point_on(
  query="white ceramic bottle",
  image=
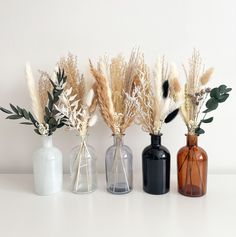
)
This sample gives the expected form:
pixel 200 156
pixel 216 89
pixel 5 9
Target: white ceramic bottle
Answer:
pixel 47 166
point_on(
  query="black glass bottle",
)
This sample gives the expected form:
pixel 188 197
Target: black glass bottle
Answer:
pixel 156 167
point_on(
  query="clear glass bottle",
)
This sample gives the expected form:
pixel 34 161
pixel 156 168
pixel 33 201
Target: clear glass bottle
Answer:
pixel 119 167
pixel 83 168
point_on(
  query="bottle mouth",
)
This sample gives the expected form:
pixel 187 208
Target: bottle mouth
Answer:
pixel 156 135
pixel 118 134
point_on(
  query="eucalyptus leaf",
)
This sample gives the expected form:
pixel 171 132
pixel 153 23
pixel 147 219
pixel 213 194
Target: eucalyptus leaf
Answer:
pixel 14 109
pixel 25 114
pixel 215 93
pixel 5 110
pixel 20 111
pixel 212 104
pixel 26 123
pixel 222 88
pixel 206 111
pixel 223 98
pixel 199 131
pixel 34 121
pixel 228 90
pixel 14 116
pixel 37 131
pixel 208 120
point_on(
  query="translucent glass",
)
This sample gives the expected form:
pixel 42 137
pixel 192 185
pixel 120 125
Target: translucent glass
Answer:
pixel 83 168
pixel 119 170
pixel 192 169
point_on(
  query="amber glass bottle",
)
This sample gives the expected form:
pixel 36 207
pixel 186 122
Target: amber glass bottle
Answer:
pixel 192 168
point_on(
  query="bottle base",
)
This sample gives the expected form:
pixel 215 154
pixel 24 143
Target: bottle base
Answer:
pixel 83 189
pixel 83 192
pixel 47 193
pixel 156 193
pixel 191 191
pixel 119 189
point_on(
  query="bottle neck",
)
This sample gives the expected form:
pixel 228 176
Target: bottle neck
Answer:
pixel 47 141
pixel 192 139
pixel 83 138
pixel 118 139
pixel 155 139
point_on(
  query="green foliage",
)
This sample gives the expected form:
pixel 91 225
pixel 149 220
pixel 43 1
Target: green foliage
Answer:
pixel 217 95
pixel 17 112
pixel 53 98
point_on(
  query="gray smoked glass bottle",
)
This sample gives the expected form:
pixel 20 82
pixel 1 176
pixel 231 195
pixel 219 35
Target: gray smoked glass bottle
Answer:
pixel 119 170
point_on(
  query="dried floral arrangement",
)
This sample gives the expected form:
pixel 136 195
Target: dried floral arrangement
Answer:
pixel 44 97
pixel 76 109
pixel 116 80
pixel 157 96
pixel 196 94
pixel 77 104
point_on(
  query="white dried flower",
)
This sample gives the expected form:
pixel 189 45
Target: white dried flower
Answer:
pixel 93 120
pixel 43 129
pixel 89 98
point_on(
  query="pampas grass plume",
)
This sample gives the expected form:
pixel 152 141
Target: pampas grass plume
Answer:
pixel 34 95
pixel 206 76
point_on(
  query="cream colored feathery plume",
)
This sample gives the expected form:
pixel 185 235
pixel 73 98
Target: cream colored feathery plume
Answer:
pixel 152 107
pixel 206 76
pixel 195 90
pixel 105 70
pixel 34 95
pixel 158 79
pixel 44 86
pixel 104 97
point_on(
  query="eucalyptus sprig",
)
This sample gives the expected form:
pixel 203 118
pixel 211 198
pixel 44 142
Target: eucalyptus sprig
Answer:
pixel 217 95
pixel 50 123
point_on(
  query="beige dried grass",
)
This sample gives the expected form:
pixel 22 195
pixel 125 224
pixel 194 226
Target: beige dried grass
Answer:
pixel 115 80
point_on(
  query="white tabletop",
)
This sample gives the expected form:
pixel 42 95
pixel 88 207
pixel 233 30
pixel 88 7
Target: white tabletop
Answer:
pixel 22 213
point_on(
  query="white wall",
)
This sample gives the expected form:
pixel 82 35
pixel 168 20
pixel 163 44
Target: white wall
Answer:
pixel 43 31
